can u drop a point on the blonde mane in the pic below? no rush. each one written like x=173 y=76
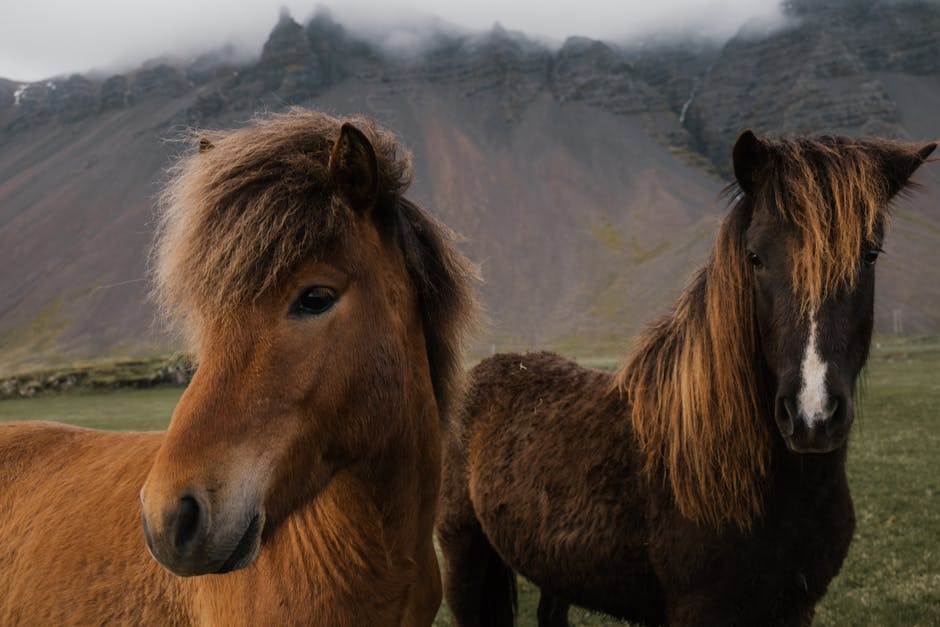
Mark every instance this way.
x=691 y=383
x=693 y=379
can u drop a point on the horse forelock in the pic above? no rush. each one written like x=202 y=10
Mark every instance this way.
x=237 y=219
x=692 y=382
x=239 y=216
x=834 y=193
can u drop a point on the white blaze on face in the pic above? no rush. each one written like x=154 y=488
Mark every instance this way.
x=812 y=397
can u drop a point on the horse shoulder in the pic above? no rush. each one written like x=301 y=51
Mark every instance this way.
x=550 y=456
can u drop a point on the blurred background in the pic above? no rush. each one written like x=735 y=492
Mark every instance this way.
x=582 y=171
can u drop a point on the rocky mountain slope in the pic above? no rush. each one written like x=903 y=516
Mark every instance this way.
x=584 y=179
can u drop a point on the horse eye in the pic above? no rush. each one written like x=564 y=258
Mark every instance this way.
x=754 y=260
x=871 y=256
x=314 y=301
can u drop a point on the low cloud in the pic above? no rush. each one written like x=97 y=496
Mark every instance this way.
x=44 y=38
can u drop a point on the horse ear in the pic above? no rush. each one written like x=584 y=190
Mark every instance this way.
x=354 y=168
x=205 y=145
x=901 y=165
x=749 y=157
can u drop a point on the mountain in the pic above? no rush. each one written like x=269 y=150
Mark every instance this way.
x=585 y=179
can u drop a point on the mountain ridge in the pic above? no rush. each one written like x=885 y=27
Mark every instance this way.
x=584 y=178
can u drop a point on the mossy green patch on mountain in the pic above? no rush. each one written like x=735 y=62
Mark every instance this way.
x=641 y=254
x=608 y=236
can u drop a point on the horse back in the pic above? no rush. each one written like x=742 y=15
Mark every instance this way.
x=23 y=444
x=552 y=468
x=37 y=454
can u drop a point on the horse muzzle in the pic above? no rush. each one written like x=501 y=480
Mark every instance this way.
x=189 y=539
x=823 y=432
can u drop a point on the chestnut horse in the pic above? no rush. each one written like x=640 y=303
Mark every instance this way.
x=704 y=483
x=299 y=478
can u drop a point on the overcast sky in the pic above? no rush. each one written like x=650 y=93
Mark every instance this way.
x=44 y=38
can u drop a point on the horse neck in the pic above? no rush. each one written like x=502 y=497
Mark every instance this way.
x=794 y=471
x=381 y=504
x=698 y=399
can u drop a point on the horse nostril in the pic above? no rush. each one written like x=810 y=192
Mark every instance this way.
x=785 y=416
x=188 y=522
x=838 y=417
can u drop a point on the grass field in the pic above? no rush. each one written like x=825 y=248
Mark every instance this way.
x=892 y=573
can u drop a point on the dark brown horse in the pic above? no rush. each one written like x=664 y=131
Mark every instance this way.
x=300 y=474
x=704 y=483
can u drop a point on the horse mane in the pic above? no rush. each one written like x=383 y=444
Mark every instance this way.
x=694 y=378
x=442 y=278
x=238 y=216
x=692 y=384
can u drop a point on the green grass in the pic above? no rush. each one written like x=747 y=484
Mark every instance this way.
x=892 y=574
x=131 y=410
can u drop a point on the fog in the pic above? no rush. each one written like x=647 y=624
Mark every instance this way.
x=44 y=38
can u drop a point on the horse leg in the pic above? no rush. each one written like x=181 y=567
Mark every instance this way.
x=470 y=587
x=553 y=612
x=480 y=589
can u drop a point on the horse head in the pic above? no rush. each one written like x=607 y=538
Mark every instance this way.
x=814 y=215
x=296 y=268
